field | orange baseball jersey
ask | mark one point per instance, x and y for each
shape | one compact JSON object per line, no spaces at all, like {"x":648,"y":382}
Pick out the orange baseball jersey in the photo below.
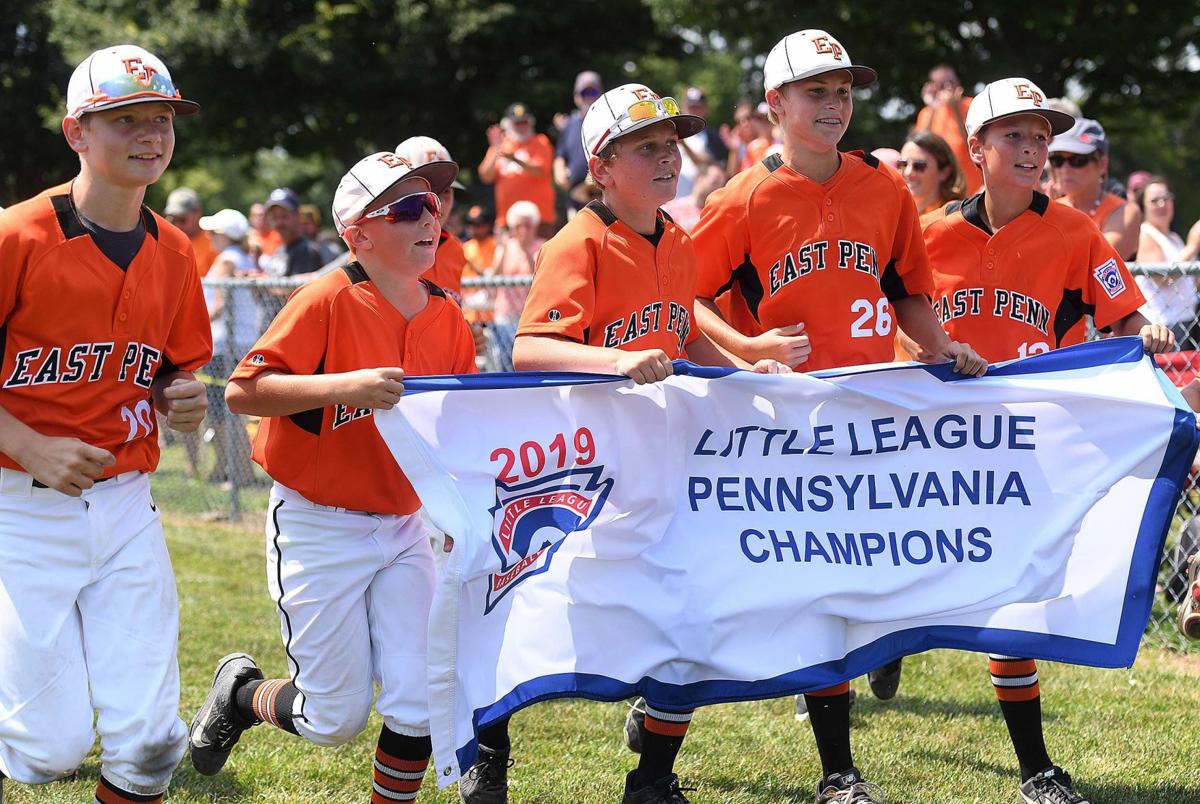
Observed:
{"x":600,"y":283}
{"x":448,"y":264}
{"x":515,"y":183}
{"x":943,"y":122}
{"x":832,"y":255}
{"x":1028,"y":288}
{"x":339,"y":323}
{"x":84,"y":340}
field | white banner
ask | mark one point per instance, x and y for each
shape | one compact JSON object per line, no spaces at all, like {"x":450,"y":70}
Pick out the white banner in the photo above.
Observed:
{"x":727,"y":536}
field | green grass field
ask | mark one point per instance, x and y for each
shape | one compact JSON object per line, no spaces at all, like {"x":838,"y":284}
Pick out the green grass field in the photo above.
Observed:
{"x":1128,"y":736}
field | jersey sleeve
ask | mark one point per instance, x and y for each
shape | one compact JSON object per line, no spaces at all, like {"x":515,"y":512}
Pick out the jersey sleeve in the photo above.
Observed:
{"x":13,"y":260}
{"x":722,"y":241}
{"x":907,"y":273}
{"x":1108,"y":288}
{"x":189,"y":342}
{"x":295,"y":341}
{"x":464,"y":349}
{"x":562,"y":297}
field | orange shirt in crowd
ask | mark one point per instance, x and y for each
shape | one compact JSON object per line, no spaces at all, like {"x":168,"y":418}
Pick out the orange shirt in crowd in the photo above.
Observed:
{"x":514,"y":183}
{"x":206,"y":255}
{"x":1029,"y":287}
{"x":600,"y":283}
{"x":448,"y":264}
{"x":831,"y":255}
{"x":479,"y":254}
{"x":337,"y":323}
{"x":942,"y":121}
{"x":84,"y":340}
{"x":269,"y":242}
{"x":1108,"y":204}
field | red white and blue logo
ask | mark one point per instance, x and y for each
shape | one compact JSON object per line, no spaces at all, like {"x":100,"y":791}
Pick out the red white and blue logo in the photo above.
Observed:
{"x":1109,"y":277}
{"x":532,"y":519}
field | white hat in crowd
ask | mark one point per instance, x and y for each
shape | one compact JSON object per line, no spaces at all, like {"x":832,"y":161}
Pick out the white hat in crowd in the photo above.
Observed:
{"x":374,"y":175}
{"x":630,"y":108}
{"x":182,"y":200}
{"x":1085,"y":137}
{"x":228,"y":222}
{"x":120,"y":76}
{"x":422,"y":150}
{"x":1012,"y":96}
{"x":809,"y":53}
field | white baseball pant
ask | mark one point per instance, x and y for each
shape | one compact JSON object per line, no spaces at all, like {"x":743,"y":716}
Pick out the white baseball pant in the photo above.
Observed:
{"x":353,"y":591}
{"x":87,"y":600}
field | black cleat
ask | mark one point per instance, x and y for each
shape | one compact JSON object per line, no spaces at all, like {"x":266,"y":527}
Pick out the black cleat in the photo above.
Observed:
{"x":218,"y":725}
{"x":848,"y":787}
{"x":635,"y":725}
{"x":486,"y":782}
{"x":886,"y":680}
{"x":1051,"y":786}
{"x":663,"y":791}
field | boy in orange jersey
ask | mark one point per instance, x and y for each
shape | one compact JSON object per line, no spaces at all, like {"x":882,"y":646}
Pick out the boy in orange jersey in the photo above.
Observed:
{"x":346,"y":547}
{"x":824,"y":249}
{"x":104,"y":321}
{"x":613,"y":292}
{"x":1018,"y":275}
{"x":447,"y":270}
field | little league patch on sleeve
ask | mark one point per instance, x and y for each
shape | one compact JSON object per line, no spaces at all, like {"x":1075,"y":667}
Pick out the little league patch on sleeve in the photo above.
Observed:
{"x":1109,"y":277}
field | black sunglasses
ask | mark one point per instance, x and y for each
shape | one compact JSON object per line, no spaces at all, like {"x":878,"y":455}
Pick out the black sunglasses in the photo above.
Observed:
{"x":1074,"y":160}
{"x":918,"y":165}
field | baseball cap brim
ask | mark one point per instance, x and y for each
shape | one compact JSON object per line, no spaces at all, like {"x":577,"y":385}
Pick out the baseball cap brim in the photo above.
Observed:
{"x":860,"y":76}
{"x":685,"y":125}
{"x":181,"y":107}
{"x":1072,"y":146}
{"x":1059,"y":123}
{"x":440,"y":175}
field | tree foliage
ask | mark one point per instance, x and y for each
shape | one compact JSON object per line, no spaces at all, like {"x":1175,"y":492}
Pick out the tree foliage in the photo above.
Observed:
{"x":324,"y":82}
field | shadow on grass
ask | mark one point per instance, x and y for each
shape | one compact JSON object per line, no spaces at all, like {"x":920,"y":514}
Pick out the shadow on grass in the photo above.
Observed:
{"x":755,"y":789}
{"x":920,"y":705}
{"x":222,"y":787}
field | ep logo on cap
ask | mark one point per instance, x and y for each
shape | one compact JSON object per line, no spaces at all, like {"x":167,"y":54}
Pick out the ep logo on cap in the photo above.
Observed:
{"x":1013,"y":96}
{"x":374,"y":175}
{"x":630,"y":108}
{"x":809,"y":53}
{"x":120,"y":76}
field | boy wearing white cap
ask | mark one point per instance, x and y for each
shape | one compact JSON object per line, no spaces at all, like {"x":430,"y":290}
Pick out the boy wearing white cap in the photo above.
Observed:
{"x":346,"y":547}
{"x":89,"y":613}
{"x":1018,"y":275}
{"x":447,"y":268}
{"x":823,"y":248}
{"x":613,"y":292}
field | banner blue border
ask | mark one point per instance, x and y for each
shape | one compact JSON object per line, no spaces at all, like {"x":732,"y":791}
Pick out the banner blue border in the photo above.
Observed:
{"x":1135,"y":614}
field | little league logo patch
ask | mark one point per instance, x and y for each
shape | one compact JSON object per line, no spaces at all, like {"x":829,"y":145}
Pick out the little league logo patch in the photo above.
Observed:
{"x":532,"y":519}
{"x":1109,"y":277}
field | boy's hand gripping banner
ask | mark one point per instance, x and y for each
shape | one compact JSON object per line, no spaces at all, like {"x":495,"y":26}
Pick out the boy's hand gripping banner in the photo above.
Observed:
{"x":731,"y":536}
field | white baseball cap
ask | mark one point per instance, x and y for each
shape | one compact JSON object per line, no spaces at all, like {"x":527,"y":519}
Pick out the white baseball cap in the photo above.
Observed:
{"x":809,"y":53}
{"x":422,"y":150}
{"x":120,"y":76}
{"x":630,"y":108}
{"x":228,"y":222}
{"x":1012,"y":96}
{"x":374,"y":175}
{"x":1085,"y":137}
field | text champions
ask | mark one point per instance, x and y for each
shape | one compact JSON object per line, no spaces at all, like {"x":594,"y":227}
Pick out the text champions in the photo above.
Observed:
{"x":811,"y":491}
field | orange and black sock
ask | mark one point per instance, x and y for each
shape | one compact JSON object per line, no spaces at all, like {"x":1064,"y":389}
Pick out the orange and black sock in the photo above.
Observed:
{"x":400,"y":763}
{"x":1019,"y":694}
{"x":269,"y":701}
{"x":829,"y":714}
{"x":109,"y":793}
{"x":661,"y":741}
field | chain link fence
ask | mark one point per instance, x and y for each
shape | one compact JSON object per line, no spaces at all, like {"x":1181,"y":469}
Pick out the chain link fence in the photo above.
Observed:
{"x":209,"y":475}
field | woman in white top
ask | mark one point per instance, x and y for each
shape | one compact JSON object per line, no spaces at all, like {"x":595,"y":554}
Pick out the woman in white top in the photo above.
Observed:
{"x":515,"y":257}
{"x":1169,"y":299}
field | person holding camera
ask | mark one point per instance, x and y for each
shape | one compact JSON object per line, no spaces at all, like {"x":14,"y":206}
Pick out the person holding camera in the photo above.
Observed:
{"x":945,"y":114}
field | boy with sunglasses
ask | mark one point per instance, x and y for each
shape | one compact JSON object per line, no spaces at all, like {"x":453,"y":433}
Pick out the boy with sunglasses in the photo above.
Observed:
{"x":104,"y":320}
{"x":1018,"y":276}
{"x":824,"y":249}
{"x":346,"y":546}
{"x":613,"y":293}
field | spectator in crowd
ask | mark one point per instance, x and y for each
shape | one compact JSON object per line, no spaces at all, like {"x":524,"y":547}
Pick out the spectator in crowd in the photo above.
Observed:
{"x":234,"y":317}
{"x":700,"y":150}
{"x":570,"y":161}
{"x":945,"y":113}
{"x":480,"y":252}
{"x":518,"y":162}
{"x":184,"y":209}
{"x":685,"y":210}
{"x":888,"y":156}
{"x":297,"y":254}
{"x":448,"y":264}
{"x":751,"y":137}
{"x":1136,"y":181}
{"x":1170,"y":300}
{"x":515,"y":257}
{"x":1078,"y":166}
{"x":310,"y":227}
{"x":263,"y":240}
{"x":930,"y":171}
